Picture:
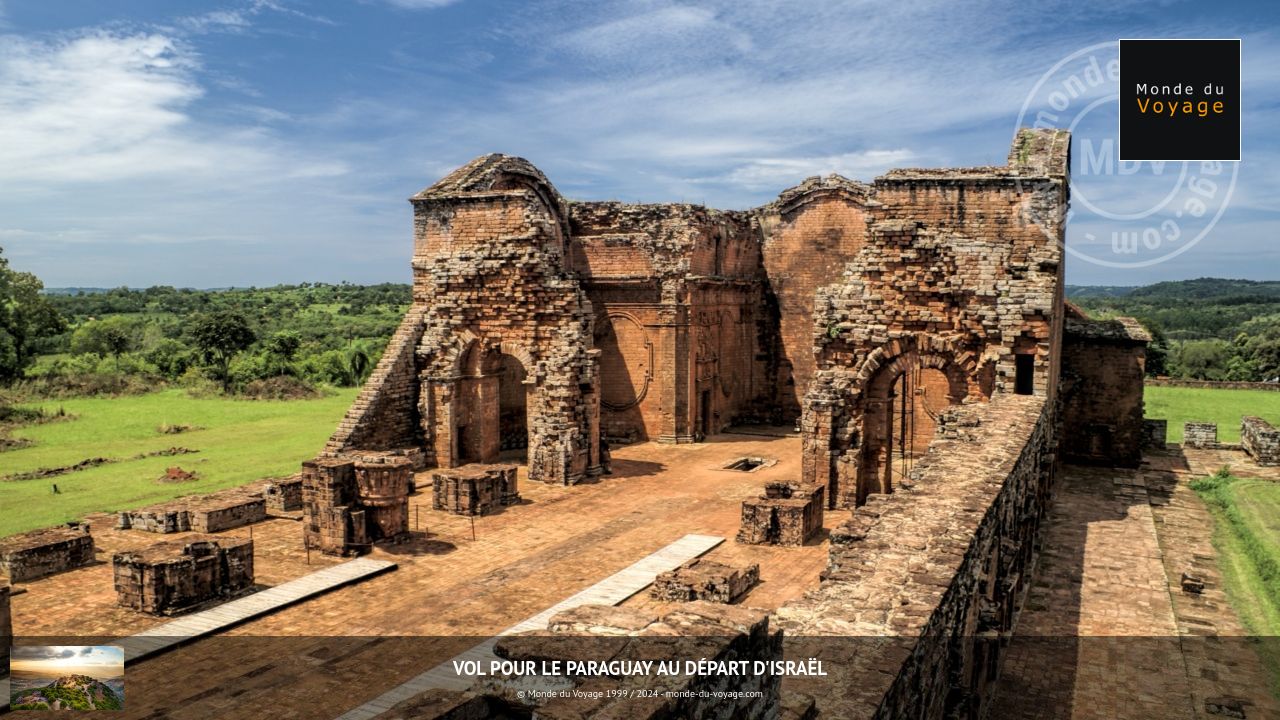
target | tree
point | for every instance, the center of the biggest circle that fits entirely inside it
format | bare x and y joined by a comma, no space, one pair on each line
112,336
284,346
219,337
25,317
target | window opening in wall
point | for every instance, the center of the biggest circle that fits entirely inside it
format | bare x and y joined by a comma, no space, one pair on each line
1024,382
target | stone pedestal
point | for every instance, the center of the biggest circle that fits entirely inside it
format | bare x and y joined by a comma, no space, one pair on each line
474,489
787,514
352,501
284,495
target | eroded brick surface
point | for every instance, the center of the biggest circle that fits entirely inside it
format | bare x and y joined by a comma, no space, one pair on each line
34,554
173,576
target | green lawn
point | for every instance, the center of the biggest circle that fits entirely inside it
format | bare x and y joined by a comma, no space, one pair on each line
1247,537
240,441
1225,407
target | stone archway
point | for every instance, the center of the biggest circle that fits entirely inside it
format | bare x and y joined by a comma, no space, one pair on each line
900,414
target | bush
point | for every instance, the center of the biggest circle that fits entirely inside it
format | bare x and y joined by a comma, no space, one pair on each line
280,388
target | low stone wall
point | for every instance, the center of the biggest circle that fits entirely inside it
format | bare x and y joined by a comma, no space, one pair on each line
211,513
787,514
701,579
714,632
173,576
1200,435
1260,440
284,495
922,584
1218,384
1155,433
38,553
474,489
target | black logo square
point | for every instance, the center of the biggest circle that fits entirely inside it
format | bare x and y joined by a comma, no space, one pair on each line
1179,99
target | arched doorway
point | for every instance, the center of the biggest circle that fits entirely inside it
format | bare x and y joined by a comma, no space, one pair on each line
513,409
900,418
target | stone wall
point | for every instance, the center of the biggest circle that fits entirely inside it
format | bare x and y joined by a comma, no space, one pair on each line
958,285
284,495
1260,440
173,576
32,555
933,572
1103,365
702,579
809,234
215,512
787,514
1200,435
1215,384
1155,433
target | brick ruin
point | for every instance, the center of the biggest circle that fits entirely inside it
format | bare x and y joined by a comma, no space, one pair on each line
1103,425
474,489
283,495
35,554
914,328
786,514
702,579
540,325
1200,434
211,513
352,501
1260,440
6,626
177,575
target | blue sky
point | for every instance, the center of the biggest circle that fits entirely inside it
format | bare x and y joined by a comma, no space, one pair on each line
258,142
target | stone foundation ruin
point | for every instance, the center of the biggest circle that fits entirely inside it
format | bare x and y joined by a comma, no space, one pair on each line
33,555
353,501
474,489
173,576
1260,440
702,579
787,514
1200,435
283,495
207,514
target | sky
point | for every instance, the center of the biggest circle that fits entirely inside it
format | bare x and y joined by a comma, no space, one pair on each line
277,141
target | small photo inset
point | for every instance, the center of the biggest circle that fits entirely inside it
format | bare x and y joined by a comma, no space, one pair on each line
66,677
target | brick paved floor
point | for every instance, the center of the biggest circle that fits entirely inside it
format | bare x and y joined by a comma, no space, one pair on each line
325,655
1106,631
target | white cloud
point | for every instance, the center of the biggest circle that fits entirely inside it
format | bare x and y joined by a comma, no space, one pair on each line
102,107
421,4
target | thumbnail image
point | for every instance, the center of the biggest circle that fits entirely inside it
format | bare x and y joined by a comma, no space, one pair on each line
66,677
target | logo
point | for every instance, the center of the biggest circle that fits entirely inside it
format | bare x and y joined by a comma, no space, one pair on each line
1124,213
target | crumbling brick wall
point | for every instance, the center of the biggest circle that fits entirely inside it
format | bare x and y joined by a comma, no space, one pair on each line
960,277
930,571
6,627
809,234
32,555
1260,439
677,290
1103,365
490,263
172,576
474,489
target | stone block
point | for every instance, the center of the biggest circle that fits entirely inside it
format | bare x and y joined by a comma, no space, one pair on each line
787,514
1260,440
701,579
474,489
32,555
1155,433
173,576
284,495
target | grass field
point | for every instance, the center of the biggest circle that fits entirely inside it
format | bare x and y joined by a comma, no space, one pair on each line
1225,407
1247,537
239,441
